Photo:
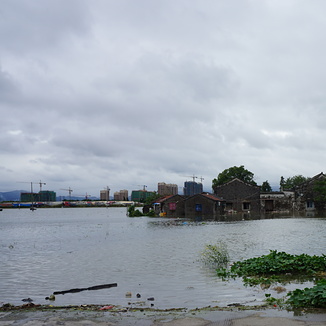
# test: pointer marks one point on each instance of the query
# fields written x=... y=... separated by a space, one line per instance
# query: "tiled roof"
x=210 y=196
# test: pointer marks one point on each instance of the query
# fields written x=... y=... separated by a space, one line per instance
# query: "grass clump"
x=216 y=256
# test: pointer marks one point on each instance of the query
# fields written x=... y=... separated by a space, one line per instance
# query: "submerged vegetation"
x=283 y=268
x=133 y=212
x=216 y=256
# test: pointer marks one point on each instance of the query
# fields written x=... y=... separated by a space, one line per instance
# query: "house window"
x=310 y=204
x=199 y=208
x=172 y=206
x=246 y=206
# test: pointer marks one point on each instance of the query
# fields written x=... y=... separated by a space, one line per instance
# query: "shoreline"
x=42 y=315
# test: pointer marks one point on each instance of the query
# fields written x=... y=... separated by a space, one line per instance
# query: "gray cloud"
x=128 y=93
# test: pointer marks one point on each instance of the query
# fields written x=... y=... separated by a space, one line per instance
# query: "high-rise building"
x=46 y=195
x=141 y=195
x=192 y=188
x=121 y=195
x=105 y=194
x=165 y=189
x=43 y=196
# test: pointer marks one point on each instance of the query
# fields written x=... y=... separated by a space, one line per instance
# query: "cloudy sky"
x=97 y=93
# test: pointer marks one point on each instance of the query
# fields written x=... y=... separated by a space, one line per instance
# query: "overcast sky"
x=97 y=93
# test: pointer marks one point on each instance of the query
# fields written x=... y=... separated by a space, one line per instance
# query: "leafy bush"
x=133 y=212
x=216 y=255
x=278 y=266
x=276 y=263
x=314 y=297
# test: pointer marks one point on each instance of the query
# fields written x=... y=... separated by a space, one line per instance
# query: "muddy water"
x=59 y=249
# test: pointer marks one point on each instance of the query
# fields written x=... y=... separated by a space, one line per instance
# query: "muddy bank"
x=29 y=314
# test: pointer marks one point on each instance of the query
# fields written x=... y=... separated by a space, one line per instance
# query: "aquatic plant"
x=314 y=297
x=216 y=256
x=279 y=267
x=280 y=263
x=276 y=265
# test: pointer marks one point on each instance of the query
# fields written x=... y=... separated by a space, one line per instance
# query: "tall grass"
x=215 y=256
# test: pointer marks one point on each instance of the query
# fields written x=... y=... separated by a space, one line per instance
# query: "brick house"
x=310 y=195
x=204 y=206
x=277 y=201
x=239 y=196
x=170 y=206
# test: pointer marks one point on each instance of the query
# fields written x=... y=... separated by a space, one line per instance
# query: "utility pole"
x=32 y=194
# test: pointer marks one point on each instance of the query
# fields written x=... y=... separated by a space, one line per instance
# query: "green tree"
x=234 y=172
x=265 y=187
x=291 y=182
x=320 y=194
x=151 y=199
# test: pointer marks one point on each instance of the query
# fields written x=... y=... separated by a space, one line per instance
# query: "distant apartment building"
x=141 y=195
x=121 y=195
x=192 y=188
x=46 y=195
x=165 y=189
x=105 y=194
x=42 y=196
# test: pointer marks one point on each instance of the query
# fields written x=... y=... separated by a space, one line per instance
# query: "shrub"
x=276 y=263
x=216 y=256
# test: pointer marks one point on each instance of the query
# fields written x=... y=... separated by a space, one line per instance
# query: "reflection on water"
x=59 y=249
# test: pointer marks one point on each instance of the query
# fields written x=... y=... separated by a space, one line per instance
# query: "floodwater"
x=65 y=248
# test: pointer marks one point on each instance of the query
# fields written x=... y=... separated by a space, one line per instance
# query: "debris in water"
x=96 y=287
x=27 y=300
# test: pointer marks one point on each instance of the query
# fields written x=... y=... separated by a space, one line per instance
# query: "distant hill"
x=11 y=195
x=15 y=196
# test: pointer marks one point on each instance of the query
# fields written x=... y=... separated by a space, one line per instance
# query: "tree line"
x=241 y=173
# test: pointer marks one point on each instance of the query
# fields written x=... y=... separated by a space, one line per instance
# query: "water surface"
x=59 y=249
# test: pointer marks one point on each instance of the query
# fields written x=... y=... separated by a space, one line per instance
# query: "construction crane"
x=191 y=176
x=31 y=183
x=86 y=196
x=201 y=179
x=69 y=190
x=41 y=183
x=144 y=187
x=32 y=196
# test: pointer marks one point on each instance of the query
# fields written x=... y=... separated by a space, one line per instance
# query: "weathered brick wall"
x=280 y=203
x=210 y=208
x=180 y=207
x=237 y=192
